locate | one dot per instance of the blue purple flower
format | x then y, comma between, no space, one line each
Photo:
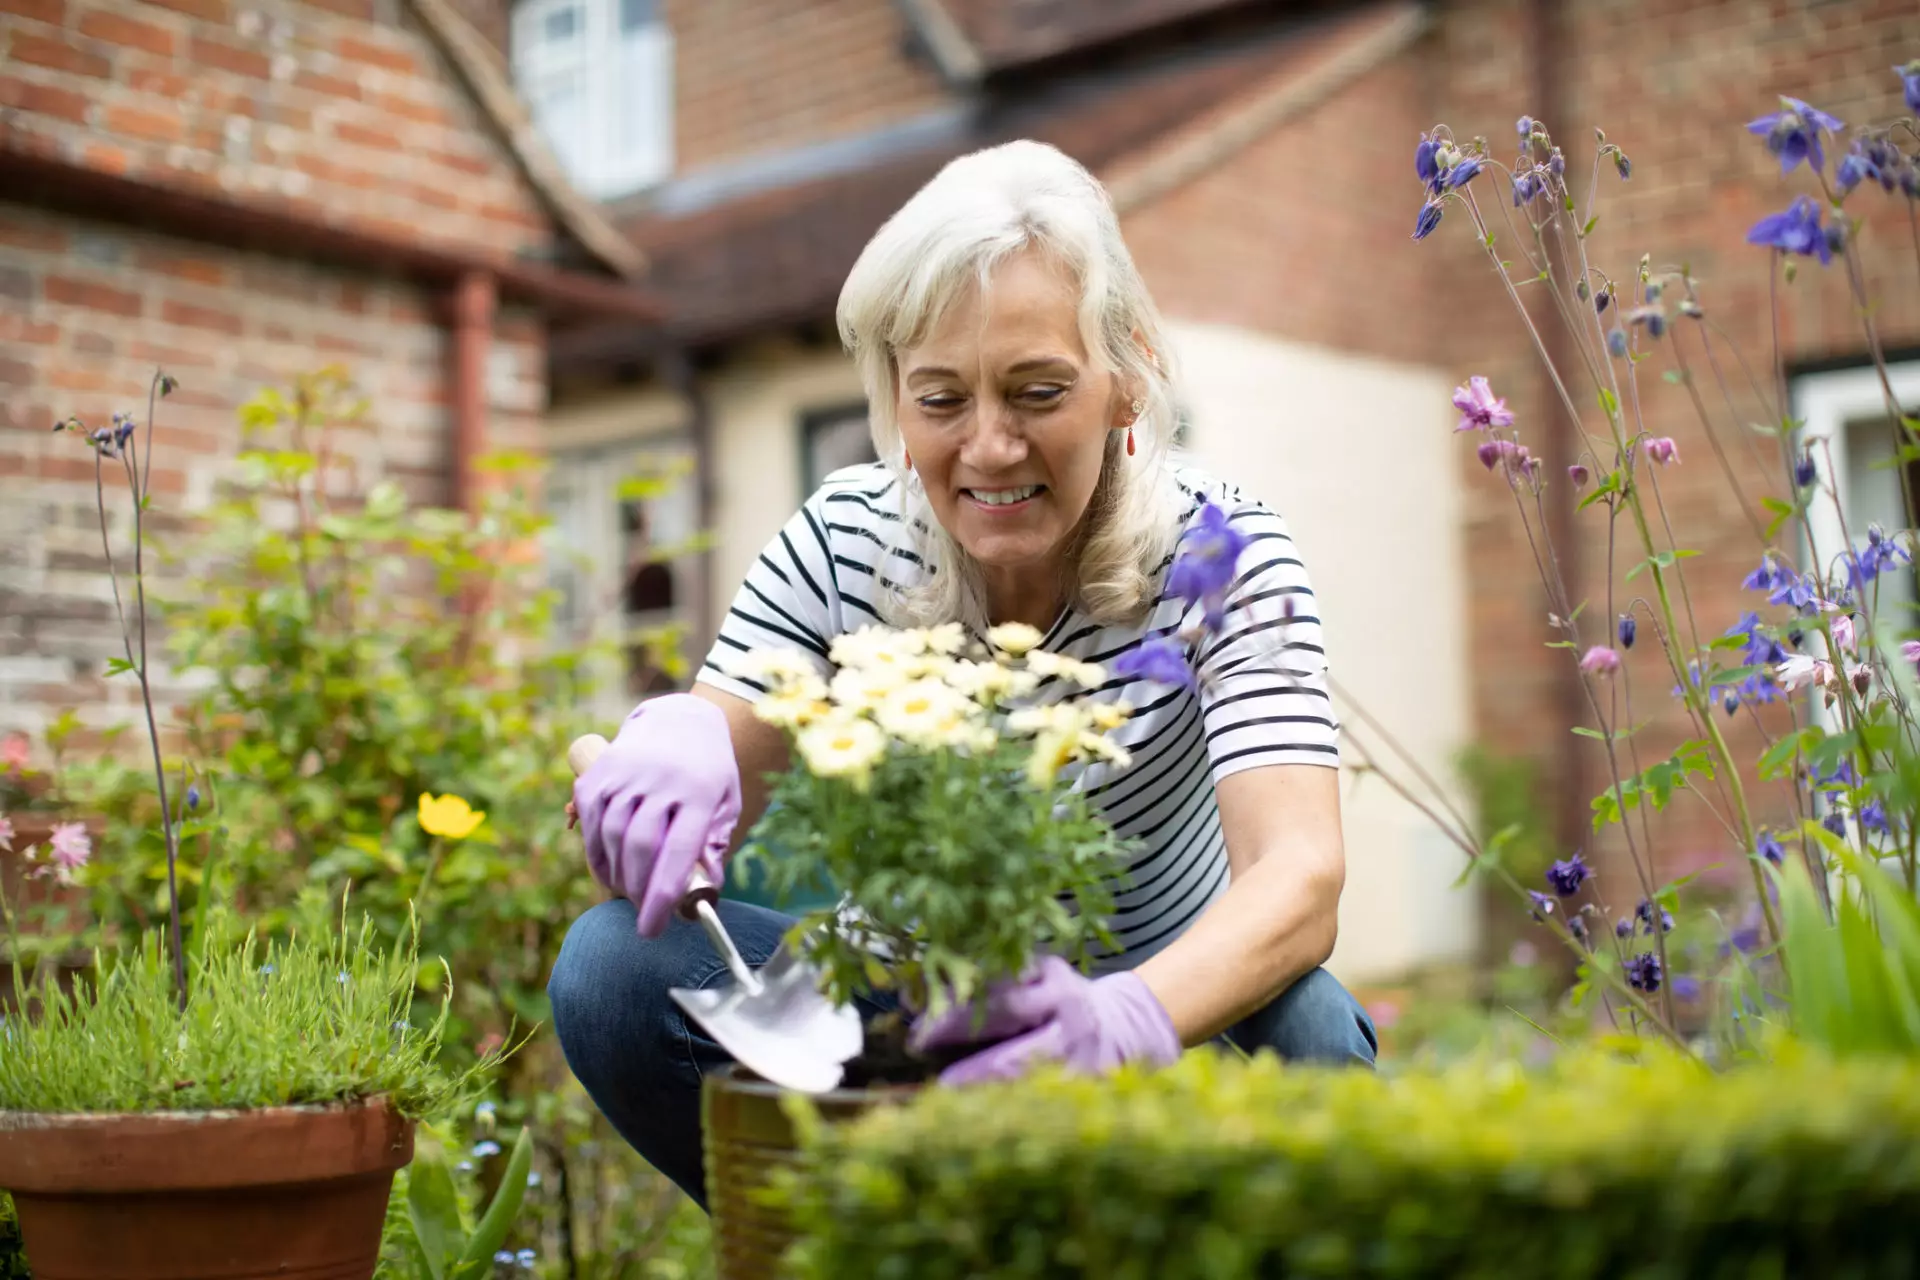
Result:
1910,83
1161,659
1567,875
1793,133
1429,218
1836,822
1796,230
1464,171
1628,628
1542,905
1203,571
1643,972
1767,845
1623,928
1617,341
1686,987
1804,470
1644,914
1760,649
1873,817
1426,162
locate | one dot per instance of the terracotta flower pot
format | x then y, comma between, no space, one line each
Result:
748,1136
293,1192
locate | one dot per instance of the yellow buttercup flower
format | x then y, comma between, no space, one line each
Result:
449,816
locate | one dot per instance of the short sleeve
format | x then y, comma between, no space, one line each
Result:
789,600
1264,693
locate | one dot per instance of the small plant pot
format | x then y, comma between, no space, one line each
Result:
748,1137
292,1192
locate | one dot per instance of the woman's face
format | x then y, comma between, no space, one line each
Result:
1005,417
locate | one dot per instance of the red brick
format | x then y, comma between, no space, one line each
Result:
361,9
361,136
200,268
197,317
115,28
59,54
355,49
218,11
16,327
153,353
43,99
107,159
332,86
326,170
209,52
93,344
69,292
410,109
52,12
148,126
16,373
464,163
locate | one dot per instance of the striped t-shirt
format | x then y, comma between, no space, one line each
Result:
1262,696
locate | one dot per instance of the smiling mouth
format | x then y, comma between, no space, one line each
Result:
1005,497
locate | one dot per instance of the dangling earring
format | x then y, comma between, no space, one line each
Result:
1139,407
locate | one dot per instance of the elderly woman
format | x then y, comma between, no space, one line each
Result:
1022,398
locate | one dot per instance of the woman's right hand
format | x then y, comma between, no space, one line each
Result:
663,798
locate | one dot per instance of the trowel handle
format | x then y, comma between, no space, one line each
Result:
580,756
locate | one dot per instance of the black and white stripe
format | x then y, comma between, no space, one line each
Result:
1263,697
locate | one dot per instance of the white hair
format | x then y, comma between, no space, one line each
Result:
977,212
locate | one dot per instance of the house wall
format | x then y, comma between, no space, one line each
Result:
1359,466
341,110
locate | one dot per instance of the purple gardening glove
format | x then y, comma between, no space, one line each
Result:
662,799
1056,1014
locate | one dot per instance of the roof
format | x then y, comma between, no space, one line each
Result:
778,257
1003,34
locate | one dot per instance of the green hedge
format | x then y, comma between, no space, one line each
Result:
13,1256
1221,1169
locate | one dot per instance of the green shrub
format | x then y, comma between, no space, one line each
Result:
1223,1169
13,1256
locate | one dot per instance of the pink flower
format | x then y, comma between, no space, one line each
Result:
1491,451
1910,650
1799,671
13,752
70,847
6,833
1479,407
1843,631
1662,449
1600,661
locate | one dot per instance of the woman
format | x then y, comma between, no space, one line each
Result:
1022,399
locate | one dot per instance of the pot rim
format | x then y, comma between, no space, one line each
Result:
13,1119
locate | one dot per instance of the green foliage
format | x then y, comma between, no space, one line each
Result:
448,1247
353,651
13,1255
323,1017
1655,784
1222,1169
1854,969
951,859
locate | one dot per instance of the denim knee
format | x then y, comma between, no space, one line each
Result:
608,993
1315,1020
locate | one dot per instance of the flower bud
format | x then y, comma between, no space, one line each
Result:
1663,450
1579,474
1804,471
193,798
1627,630
1617,343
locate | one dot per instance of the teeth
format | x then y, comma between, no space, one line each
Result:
1002,497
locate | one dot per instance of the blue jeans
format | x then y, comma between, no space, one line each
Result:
641,1060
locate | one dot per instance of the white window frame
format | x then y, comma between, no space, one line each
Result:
625,81
1824,403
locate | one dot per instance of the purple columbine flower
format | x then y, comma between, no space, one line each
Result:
1910,83
1686,987
1426,162
193,798
1524,127
1836,822
1622,165
1644,914
1556,163
1623,928
1464,171
1873,817
1429,219
1579,475
1627,630
1767,845
1804,470
1793,133
1854,168
1160,660
1566,876
1663,450
1203,571
1491,452
1479,407
1542,905
1617,341
1760,650
1796,230
1643,972
1651,318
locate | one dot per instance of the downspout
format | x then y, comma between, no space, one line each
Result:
1549,90
475,299
676,368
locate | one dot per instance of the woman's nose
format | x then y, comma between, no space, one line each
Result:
996,439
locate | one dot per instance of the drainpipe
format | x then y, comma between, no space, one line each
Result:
1552,102
676,369
475,299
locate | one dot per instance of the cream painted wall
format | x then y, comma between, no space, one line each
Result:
1357,455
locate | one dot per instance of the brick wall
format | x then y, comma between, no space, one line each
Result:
342,110
755,76
340,107
1673,84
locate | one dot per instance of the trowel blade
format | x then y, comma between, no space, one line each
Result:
787,1033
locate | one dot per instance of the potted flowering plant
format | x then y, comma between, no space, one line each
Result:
932,790
202,1103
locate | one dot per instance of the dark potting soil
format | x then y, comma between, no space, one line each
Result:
885,1058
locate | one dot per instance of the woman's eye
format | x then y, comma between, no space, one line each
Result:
938,403
1043,394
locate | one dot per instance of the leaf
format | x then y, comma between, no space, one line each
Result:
1587,230
435,1212
1611,484
1777,760
1609,403
118,666
497,1221
1585,732
1782,512
1661,560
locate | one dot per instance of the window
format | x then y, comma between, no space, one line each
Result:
1844,418
598,78
831,439
624,522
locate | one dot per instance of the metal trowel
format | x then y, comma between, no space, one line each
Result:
776,1022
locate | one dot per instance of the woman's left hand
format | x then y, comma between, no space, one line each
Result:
1056,1014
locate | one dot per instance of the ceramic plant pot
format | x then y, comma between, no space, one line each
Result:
748,1137
298,1193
